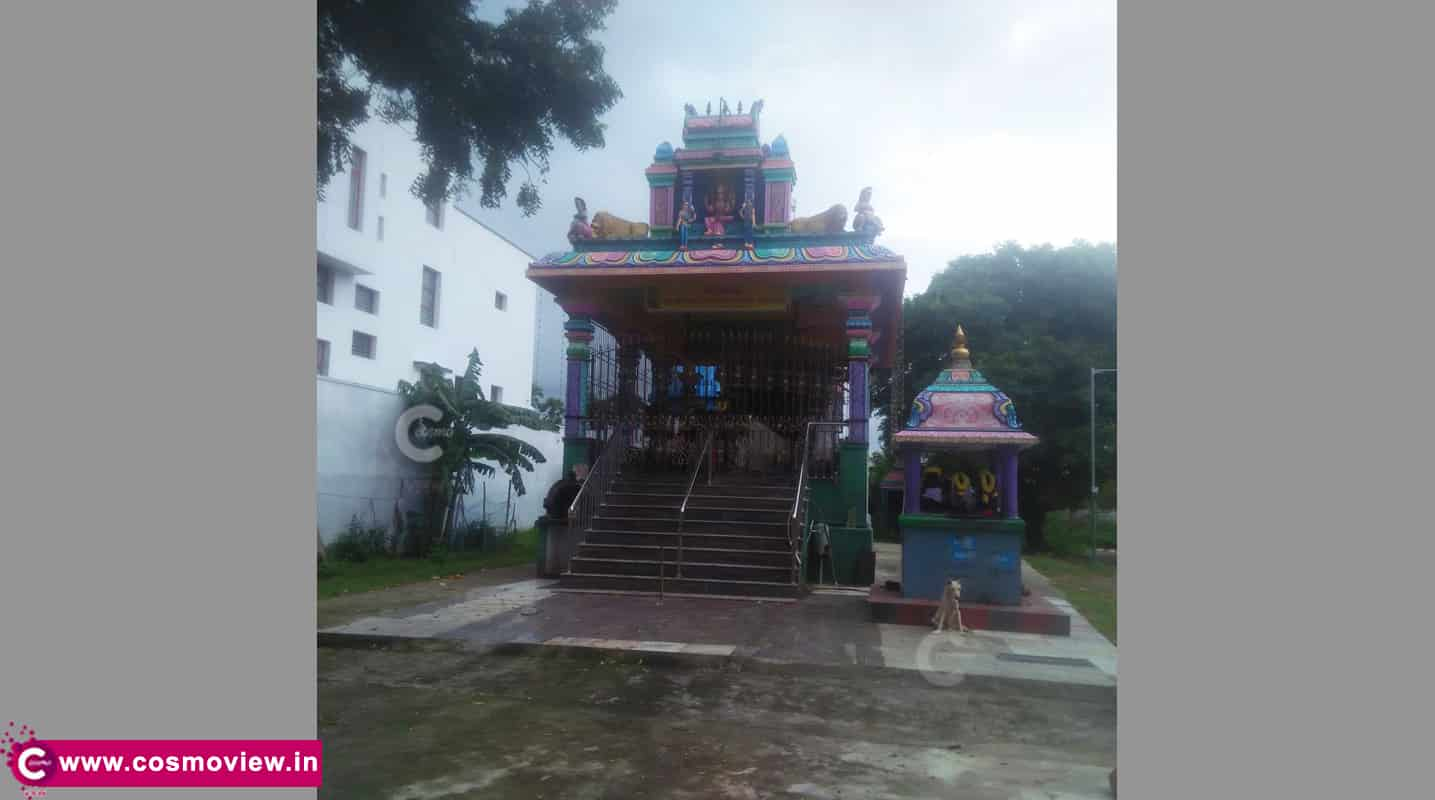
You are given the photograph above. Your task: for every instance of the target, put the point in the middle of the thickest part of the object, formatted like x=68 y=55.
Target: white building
x=400 y=282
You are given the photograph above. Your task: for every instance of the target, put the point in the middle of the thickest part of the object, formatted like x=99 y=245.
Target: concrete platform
x=828 y=628
x=1034 y=615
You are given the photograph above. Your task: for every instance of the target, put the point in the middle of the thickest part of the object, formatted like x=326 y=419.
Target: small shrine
x=959 y=464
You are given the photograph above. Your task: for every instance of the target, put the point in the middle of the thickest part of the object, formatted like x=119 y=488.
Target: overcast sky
x=974 y=122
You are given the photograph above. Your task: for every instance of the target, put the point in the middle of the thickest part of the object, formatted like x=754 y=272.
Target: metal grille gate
x=758 y=384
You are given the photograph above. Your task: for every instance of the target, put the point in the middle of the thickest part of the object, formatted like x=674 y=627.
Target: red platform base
x=1034 y=615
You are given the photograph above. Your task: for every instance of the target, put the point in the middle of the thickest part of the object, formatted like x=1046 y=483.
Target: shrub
x=438 y=554
x=358 y=543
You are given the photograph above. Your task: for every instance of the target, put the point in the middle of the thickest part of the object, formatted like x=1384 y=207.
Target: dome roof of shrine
x=960 y=409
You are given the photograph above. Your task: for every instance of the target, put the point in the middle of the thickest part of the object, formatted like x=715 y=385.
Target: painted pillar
x=662 y=210
x=912 y=481
x=688 y=189
x=777 y=179
x=859 y=352
x=1008 y=485
x=579 y=332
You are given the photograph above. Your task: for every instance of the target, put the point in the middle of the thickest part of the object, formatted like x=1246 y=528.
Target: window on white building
x=381 y=229
x=428 y=302
x=366 y=299
x=383 y=185
x=500 y=301
x=495 y=393
x=326 y=285
x=323 y=357
x=358 y=164
x=364 y=345
x=433 y=212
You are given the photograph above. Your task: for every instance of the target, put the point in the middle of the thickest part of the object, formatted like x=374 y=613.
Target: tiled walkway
x=829 y=627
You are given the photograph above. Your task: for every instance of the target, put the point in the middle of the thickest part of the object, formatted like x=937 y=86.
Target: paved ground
x=439 y=719
x=341 y=610
x=830 y=627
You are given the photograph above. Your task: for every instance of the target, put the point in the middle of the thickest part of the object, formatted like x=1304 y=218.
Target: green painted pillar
x=576 y=447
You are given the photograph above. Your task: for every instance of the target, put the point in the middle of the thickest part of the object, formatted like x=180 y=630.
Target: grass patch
x=1090 y=588
x=347 y=577
x=1072 y=537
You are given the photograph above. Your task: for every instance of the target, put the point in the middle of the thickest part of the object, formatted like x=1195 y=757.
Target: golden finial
x=961 y=356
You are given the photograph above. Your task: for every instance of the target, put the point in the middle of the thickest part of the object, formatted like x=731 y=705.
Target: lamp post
x=1091 y=514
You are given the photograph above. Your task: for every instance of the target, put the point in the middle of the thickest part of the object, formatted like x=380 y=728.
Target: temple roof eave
x=963 y=439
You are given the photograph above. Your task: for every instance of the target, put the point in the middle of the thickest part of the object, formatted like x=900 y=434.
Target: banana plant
x=466 y=435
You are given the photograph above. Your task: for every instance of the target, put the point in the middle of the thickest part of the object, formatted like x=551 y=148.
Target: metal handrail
x=796 y=529
x=595 y=486
x=683 y=511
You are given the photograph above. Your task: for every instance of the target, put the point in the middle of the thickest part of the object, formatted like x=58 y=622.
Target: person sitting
x=560 y=496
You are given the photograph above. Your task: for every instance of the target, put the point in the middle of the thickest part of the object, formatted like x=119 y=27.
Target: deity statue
x=689 y=110
x=863 y=218
x=579 y=228
x=687 y=216
x=747 y=215
x=756 y=109
x=719 y=211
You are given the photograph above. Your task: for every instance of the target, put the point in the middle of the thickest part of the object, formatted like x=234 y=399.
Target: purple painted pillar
x=1009 y=488
x=859 y=351
x=579 y=329
x=912 y=482
x=573 y=400
x=857 y=384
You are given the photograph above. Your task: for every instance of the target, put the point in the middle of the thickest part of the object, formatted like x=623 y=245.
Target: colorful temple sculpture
x=959 y=463
x=722 y=442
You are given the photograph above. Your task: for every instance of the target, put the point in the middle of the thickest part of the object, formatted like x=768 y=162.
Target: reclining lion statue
x=607 y=226
x=830 y=221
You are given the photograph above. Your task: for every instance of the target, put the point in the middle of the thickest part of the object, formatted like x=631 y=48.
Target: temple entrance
x=752 y=386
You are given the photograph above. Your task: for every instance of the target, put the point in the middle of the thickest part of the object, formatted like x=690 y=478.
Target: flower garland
x=989 y=485
x=962 y=482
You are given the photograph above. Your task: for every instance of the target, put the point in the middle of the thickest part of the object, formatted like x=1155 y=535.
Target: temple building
x=722 y=440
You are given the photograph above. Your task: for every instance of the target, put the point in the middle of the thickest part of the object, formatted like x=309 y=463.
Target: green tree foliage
x=500 y=92
x=466 y=438
x=550 y=408
x=1036 y=320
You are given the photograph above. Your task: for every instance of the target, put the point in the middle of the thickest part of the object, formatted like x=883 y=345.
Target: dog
x=950 y=608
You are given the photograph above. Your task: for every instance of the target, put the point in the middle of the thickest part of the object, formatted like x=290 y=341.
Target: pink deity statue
x=719 y=211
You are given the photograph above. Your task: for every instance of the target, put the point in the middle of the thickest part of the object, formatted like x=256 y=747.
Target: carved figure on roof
x=607 y=226
x=687 y=217
x=579 y=228
x=833 y=220
x=756 y=109
x=863 y=218
x=689 y=110
x=709 y=112
x=739 y=108
x=722 y=107
x=747 y=217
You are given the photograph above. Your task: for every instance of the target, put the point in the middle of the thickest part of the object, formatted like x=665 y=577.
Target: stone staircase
x=734 y=538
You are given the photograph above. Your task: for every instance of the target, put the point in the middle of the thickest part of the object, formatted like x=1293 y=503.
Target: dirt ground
x=444 y=719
